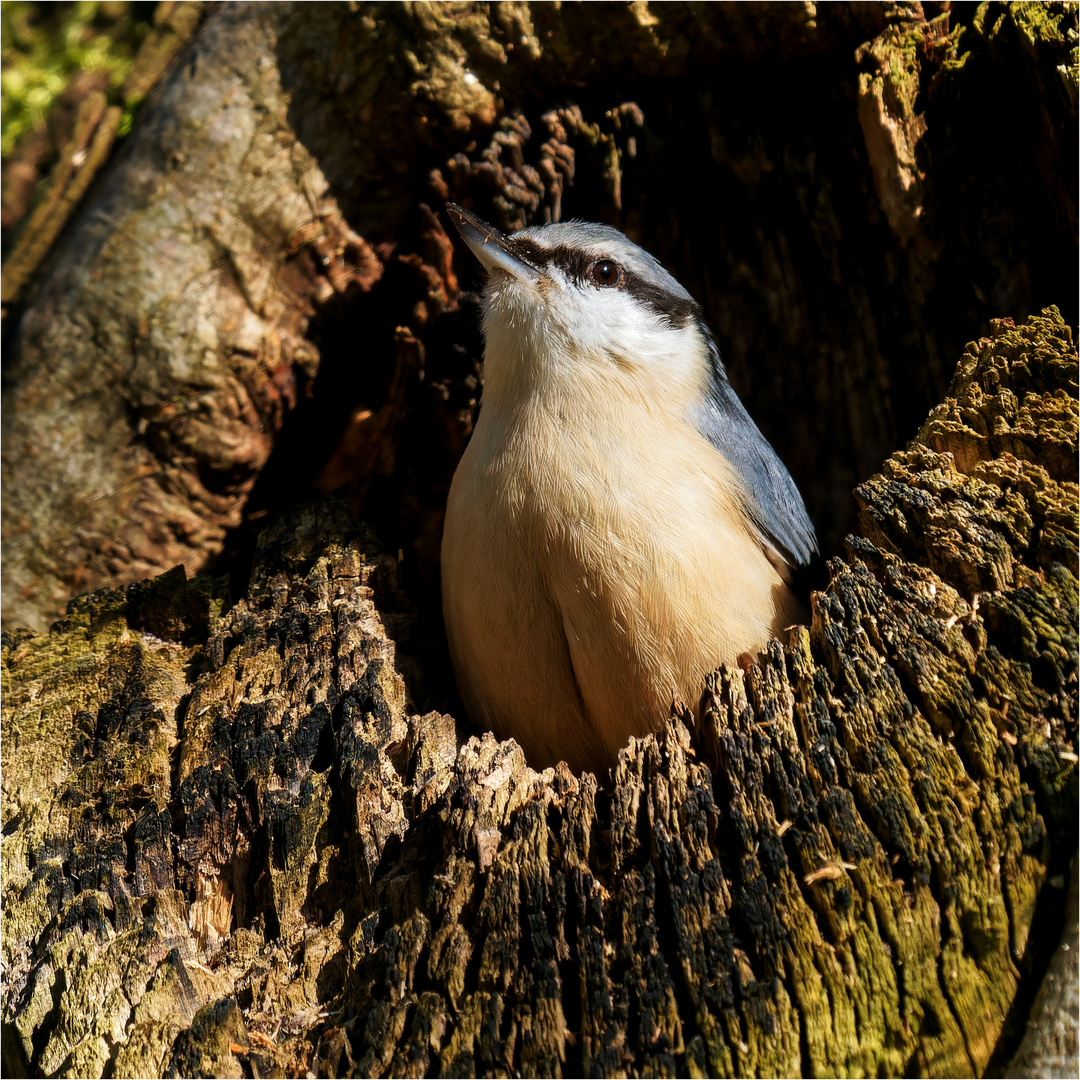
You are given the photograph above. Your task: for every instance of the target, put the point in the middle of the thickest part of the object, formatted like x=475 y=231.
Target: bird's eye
x=605 y=273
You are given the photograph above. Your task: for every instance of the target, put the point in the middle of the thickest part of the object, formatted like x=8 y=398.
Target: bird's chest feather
x=620 y=520
x=597 y=571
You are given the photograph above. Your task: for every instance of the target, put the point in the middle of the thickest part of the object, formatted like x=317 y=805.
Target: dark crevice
x=43 y=1031
x=571 y=993
x=1043 y=941
x=16 y=1063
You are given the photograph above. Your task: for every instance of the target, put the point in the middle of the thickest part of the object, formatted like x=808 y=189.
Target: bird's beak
x=494 y=249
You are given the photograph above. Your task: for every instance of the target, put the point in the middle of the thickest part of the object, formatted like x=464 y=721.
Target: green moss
x=45 y=45
x=1037 y=27
x=1034 y=22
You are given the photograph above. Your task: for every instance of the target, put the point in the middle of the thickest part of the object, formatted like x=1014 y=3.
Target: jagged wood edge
x=836 y=871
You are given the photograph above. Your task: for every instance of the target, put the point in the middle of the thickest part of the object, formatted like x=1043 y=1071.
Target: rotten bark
x=245 y=835
x=231 y=848
x=819 y=179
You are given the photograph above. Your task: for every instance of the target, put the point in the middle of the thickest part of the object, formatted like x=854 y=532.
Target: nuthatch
x=618 y=527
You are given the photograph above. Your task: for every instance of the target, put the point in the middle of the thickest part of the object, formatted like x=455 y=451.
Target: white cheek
x=524 y=324
x=507 y=305
x=618 y=332
x=509 y=332
x=568 y=339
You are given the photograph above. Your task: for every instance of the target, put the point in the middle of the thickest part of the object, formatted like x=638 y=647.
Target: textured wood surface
x=833 y=185
x=230 y=847
x=236 y=839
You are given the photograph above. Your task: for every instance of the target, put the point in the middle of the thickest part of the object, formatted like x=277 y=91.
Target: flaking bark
x=232 y=843
x=231 y=849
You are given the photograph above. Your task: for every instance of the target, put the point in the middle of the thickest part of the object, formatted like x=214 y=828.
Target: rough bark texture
x=231 y=849
x=832 y=184
x=242 y=833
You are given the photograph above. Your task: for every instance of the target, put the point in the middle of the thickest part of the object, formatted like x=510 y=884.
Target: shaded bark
x=267 y=219
x=242 y=830
x=230 y=847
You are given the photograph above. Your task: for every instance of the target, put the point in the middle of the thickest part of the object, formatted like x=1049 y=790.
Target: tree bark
x=243 y=833
x=819 y=180
x=231 y=849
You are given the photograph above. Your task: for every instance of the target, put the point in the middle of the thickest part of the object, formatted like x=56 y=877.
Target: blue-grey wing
x=773 y=501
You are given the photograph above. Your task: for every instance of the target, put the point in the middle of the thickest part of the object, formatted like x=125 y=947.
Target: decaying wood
x=820 y=178
x=233 y=845
x=230 y=848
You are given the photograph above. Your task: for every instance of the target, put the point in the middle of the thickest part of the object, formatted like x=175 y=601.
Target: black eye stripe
x=574 y=264
x=675 y=309
x=577 y=264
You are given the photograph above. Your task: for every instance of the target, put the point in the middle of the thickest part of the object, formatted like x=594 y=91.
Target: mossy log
x=231 y=849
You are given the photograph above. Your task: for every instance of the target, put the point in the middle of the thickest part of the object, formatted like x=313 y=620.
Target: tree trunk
x=230 y=848
x=242 y=833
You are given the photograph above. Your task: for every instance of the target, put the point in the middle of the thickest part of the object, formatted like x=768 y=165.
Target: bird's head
x=575 y=305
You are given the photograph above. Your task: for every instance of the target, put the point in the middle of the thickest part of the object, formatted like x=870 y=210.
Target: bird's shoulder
x=772 y=500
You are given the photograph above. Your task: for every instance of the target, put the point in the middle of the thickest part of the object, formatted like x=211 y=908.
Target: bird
x=617 y=527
